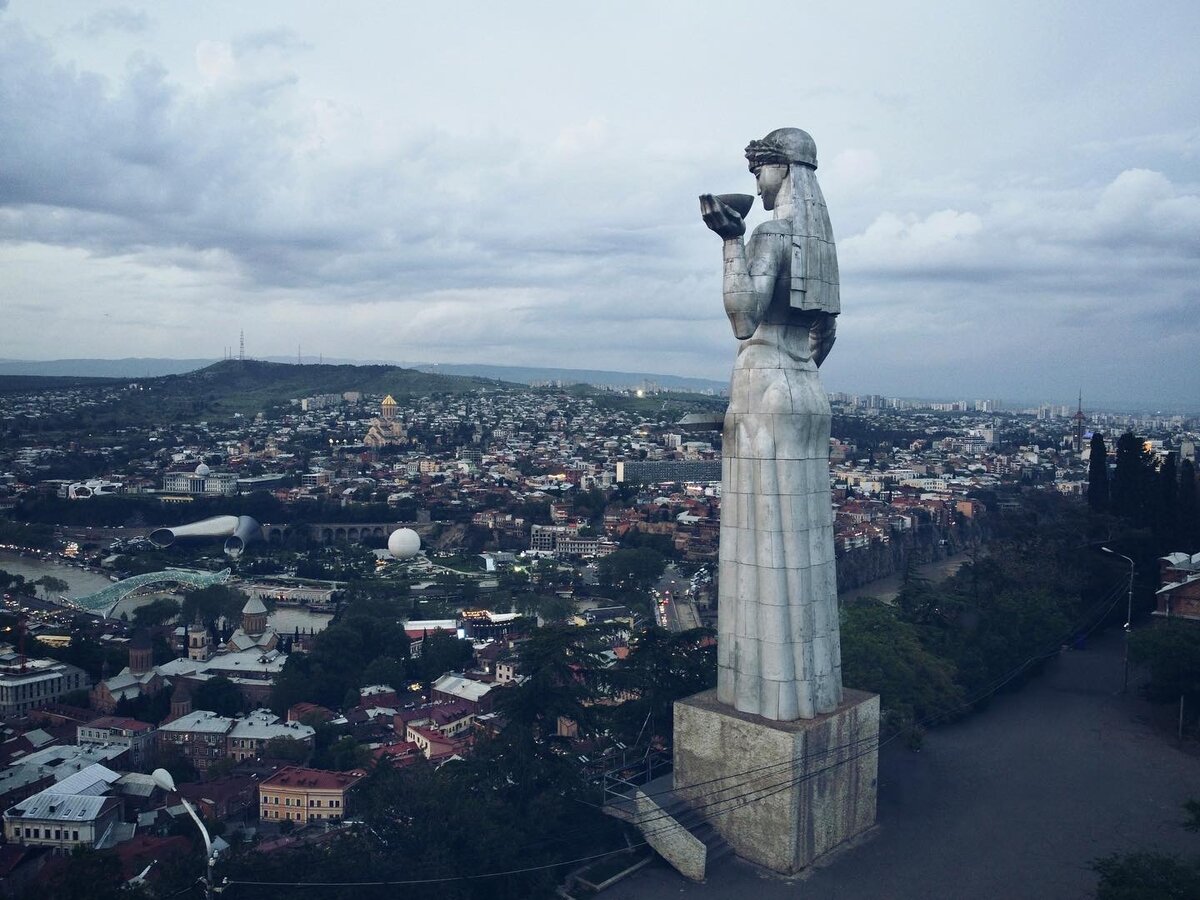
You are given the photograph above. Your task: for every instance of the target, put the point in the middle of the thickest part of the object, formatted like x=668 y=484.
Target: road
x=678 y=613
x=1013 y=802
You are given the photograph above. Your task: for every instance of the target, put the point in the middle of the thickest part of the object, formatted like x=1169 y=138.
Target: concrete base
x=781 y=794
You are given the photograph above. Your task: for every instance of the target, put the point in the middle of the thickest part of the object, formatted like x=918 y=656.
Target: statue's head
x=783 y=147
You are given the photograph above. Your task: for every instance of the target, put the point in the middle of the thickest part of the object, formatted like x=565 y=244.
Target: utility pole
x=1128 y=615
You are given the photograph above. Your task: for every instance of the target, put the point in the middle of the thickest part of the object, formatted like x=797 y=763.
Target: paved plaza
x=1014 y=802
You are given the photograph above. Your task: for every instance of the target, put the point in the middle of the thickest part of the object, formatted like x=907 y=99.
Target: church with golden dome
x=385 y=430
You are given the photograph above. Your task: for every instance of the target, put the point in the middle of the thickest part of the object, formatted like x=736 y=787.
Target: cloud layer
x=157 y=208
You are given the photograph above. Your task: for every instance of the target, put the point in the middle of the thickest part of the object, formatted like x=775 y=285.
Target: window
x=74 y=835
x=37 y=832
x=266 y=800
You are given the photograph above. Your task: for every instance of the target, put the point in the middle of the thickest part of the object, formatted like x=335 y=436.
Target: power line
x=752 y=796
x=872 y=744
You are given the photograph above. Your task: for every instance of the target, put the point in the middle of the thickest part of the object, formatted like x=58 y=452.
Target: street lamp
x=163 y=779
x=1128 y=614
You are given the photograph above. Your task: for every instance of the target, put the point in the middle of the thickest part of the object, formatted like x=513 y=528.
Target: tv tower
x=1078 y=419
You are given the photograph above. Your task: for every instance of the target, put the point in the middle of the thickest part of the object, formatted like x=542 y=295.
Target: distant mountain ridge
x=153 y=367
x=529 y=374
x=129 y=367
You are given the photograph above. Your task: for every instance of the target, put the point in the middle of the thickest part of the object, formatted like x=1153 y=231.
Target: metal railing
x=619 y=784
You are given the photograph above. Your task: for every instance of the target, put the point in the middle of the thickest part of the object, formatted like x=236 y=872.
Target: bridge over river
x=105 y=600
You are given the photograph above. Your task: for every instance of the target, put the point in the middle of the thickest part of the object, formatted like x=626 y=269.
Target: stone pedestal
x=781 y=794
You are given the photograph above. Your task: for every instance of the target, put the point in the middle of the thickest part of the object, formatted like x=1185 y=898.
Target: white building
x=130 y=734
x=73 y=813
x=202 y=480
x=27 y=684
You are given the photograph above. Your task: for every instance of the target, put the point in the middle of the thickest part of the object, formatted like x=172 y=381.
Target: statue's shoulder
x=781 y=227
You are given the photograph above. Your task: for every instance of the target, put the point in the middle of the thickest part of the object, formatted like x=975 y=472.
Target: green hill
x=229 y=388
x=256 y=384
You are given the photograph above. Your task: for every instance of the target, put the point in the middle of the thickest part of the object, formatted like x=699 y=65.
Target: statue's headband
x=782 y=147
x=765 y=153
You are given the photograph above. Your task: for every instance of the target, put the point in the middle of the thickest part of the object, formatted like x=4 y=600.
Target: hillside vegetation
x=229 y=388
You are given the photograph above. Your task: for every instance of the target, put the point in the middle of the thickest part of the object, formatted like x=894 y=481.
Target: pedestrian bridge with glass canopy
x=105 y=601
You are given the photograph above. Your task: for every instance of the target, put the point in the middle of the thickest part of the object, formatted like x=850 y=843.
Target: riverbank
x=82 y=581
x=886 y=589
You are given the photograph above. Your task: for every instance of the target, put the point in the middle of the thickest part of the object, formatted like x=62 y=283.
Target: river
x=886 y=589
x=31 y=568
x=285 y=620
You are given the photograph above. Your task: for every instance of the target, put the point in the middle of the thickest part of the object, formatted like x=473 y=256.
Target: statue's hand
x=721 y=218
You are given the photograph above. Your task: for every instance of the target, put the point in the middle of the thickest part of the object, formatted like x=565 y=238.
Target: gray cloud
x=116 y=18
x=239 y=194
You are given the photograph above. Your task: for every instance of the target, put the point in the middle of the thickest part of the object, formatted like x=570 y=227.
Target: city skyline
x=1014 y=192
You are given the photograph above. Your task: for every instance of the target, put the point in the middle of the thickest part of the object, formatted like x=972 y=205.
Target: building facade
x=27 y=684
x=61 y=822
x=296 y=794
x=136 y=737
x=201 y=481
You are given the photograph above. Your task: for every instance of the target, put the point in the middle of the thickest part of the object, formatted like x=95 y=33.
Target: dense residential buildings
x=517 y=495
x=204 y=738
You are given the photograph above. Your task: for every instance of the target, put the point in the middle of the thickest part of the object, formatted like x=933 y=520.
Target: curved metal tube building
x=237 y=530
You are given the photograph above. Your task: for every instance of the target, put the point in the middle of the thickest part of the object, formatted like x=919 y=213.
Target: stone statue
x=778 y=648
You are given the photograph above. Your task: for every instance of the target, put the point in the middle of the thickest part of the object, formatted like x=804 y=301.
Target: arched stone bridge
x=337 y=532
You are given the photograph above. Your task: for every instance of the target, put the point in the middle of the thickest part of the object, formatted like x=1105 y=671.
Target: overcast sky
x=1015 y=188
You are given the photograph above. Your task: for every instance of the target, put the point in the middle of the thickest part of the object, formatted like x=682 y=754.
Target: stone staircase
x=679 y=832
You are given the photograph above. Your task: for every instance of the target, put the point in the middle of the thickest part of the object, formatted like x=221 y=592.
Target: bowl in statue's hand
x=740 y=203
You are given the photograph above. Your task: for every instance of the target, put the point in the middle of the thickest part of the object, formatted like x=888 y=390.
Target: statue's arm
x=749 y=282
x=821 y=336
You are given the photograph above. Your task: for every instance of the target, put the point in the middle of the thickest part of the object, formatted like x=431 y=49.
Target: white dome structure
x=203 y=470
x=404 y=543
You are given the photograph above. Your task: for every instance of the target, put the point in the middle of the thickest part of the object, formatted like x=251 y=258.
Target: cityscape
x=459 y=524
x=414 y=481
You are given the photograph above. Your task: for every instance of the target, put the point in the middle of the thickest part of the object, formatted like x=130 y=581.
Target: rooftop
x=61 y=807
x=296 y=777
x=200 y=720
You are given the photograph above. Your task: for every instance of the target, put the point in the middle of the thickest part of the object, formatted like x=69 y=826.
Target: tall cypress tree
x=1189 y=513
x=1098 y=474
x=1128 y=481
x=1166 y=496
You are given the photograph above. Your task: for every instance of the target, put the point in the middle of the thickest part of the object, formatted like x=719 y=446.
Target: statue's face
x=770 y=180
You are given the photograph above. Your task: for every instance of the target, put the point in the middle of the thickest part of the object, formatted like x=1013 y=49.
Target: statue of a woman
x=778 y=647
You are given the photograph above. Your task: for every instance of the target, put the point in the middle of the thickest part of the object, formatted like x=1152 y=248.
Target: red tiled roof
x=318 y=779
